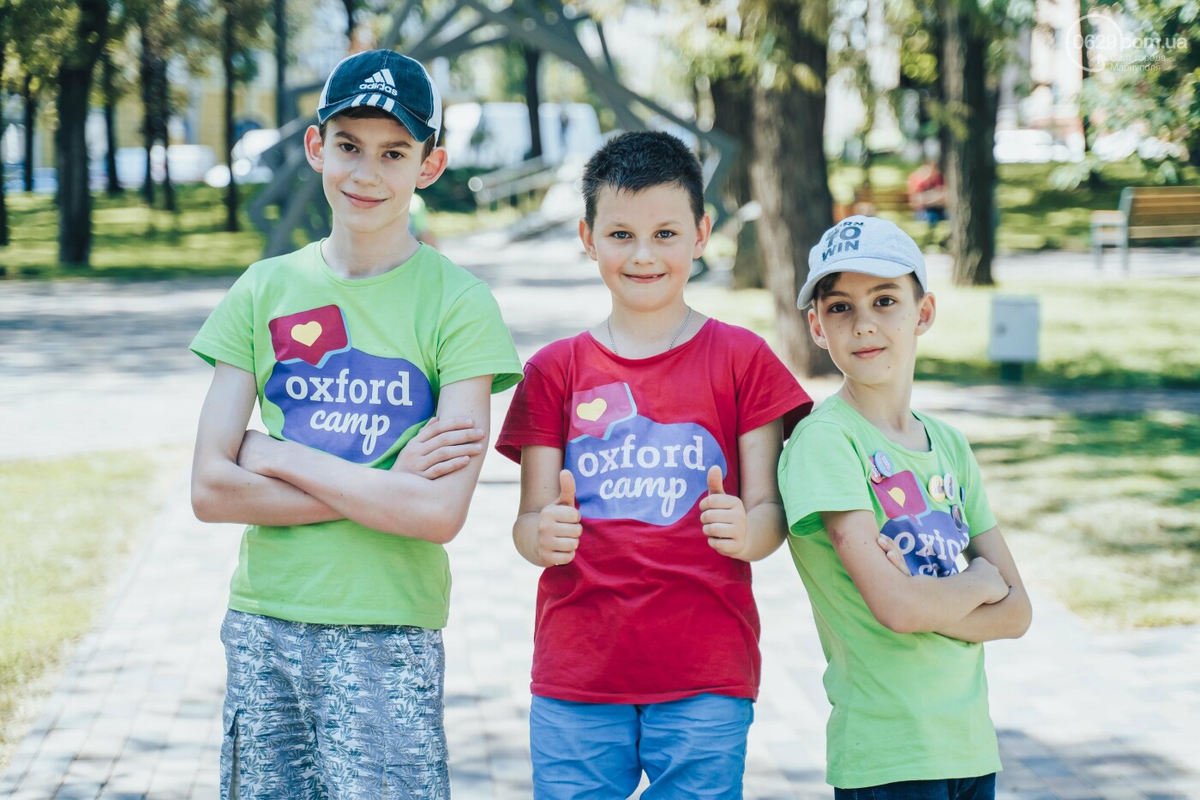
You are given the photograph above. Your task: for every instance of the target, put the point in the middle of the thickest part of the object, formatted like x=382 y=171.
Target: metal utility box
x=1016 y=320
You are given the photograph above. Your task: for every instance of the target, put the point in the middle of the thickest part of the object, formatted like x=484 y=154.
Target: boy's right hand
x=441 y=447
x=558 y=525
x=997 y=587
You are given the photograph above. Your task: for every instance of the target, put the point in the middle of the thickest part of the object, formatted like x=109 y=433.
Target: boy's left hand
x=894 y=556
x=723 y=516
x=256 y=451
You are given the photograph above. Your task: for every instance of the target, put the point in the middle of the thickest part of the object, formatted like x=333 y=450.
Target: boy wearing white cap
x=351 y=345
x=892 y=534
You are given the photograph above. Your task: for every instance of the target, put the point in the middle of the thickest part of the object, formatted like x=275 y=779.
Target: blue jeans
x=981 y=788
x=693 y=748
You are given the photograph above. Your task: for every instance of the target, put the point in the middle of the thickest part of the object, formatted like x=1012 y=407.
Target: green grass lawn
x=134 y=241
x=66 y=526
x=1127 y=334
x=1033 y=214
x=1102 y=512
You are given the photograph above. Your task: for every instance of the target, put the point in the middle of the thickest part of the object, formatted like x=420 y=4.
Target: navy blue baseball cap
x=868 y=245
x=387 y=80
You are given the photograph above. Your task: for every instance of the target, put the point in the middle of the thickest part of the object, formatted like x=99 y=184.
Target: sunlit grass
x=1129 y=334
x=132 y=240
x=1103 y=512
x=66 y=526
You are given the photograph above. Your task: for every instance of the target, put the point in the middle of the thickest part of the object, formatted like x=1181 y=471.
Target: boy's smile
x=369 y=170
x=644 y=243
x=870 y=326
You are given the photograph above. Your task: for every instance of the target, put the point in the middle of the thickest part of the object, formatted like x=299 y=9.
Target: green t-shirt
x=905 y=706
x=352 y=368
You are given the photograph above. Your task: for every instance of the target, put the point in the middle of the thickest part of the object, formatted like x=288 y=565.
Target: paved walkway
x=1080 y=713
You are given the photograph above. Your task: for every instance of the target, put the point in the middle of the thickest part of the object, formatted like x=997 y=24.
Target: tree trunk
x=351 y=22
x=162 y=131
x=110 y=126
x=733 y=114
x=3 y=194
x=533 y=99
x=146 y=73
x=74 y=199
x=789 y=175
x=74 y=85
x=31 y=107
x=970 y=164
x=282 y=112
x=227 y=45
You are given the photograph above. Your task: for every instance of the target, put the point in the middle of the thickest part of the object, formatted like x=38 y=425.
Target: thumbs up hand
x=558 y=525
x=723 y=516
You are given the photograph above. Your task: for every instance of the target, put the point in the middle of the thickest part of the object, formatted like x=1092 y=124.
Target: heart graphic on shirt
x=592 y=411
x=897 y=494
x=307 y=333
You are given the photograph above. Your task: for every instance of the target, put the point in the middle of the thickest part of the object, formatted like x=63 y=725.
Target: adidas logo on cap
x=381 y=81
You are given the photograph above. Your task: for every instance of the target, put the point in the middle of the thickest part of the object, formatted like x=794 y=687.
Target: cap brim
x=879 y=267
x=419 y=130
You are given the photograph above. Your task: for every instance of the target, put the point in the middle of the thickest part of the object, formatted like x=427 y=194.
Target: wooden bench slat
x=1164 y=231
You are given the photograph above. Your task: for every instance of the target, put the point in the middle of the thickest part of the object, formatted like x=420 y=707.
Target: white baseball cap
x=868 y=245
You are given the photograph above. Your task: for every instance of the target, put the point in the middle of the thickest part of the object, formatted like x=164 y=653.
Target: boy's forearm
x=1008 y=619
x=384 y=500
x=525 y=537
x=766 y=530
x=926 y=604
x=227 y=493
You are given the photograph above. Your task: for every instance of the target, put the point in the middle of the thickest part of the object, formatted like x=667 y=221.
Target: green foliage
x=1152 y=85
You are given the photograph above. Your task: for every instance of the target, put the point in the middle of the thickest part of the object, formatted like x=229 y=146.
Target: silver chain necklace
x=675 y=338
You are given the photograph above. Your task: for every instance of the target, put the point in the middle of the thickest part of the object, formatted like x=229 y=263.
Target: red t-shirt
x=647 y=611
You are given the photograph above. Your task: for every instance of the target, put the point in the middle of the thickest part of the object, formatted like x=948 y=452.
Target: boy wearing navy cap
x=883 y=504
x=351 y=346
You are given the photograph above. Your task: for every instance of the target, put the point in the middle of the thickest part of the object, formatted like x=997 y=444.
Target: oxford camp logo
x=381 y=81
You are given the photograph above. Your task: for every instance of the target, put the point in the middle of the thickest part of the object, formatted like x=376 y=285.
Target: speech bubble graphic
x=930 y=543
x=900 y=495
x=310 y=336
x=644 y=470
x=354 y=405
x=594 y=412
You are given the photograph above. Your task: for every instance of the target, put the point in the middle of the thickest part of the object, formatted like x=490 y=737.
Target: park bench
x=1146 y=212
x=869 y=201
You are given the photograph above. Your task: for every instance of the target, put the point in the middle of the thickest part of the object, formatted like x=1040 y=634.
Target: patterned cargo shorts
x=336 y=712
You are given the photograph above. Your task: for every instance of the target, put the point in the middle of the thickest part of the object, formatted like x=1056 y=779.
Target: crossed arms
x=986 y=601
x=248 y=477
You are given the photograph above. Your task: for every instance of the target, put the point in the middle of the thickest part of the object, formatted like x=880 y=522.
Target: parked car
x=1028 y=146
x=189 y=163
x=492 y=135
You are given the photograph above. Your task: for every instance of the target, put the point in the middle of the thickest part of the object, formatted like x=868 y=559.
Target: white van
x=493 y=135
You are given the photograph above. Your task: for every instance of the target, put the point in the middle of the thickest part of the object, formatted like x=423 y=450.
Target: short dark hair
x=639 y=160
x=374 y=112
x=825 y=286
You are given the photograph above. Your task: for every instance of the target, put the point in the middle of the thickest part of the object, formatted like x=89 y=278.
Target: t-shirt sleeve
x=535 y=416
x=474 y=341
x=979 y=511
x=766 y=391
x=228 y=333
x=821 y=471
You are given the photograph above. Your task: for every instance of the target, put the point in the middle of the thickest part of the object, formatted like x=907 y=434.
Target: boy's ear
x=432 y=167
x=703 y=231
x=314 y=148
x=814 y=327
x=926 y=313
x=588 y=238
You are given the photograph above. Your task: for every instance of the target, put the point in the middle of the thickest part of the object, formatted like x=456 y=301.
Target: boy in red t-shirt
x=666 y=427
